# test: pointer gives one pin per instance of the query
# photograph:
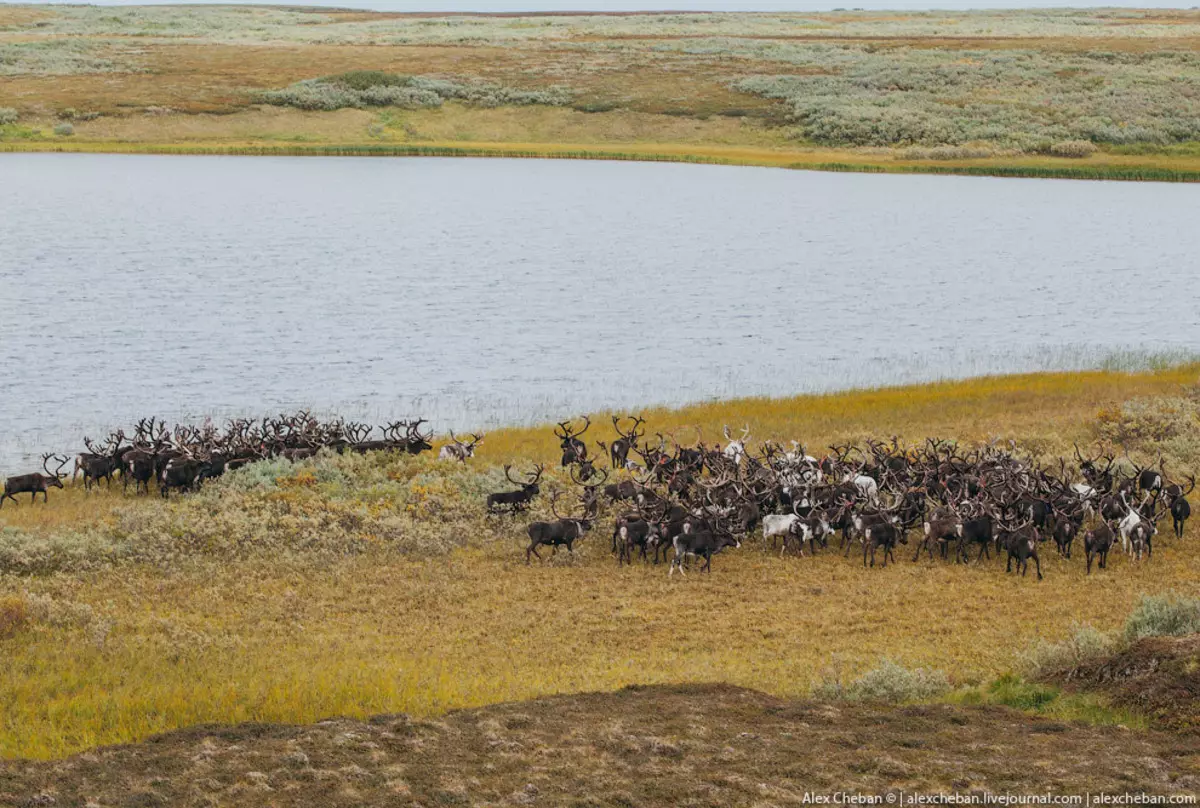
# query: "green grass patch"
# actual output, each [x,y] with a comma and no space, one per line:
[1047,701]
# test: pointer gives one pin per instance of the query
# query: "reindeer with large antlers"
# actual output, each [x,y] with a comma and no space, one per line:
[514,501]
[566,530]
[618,451]
[574,450]
[36,483]
[459,450]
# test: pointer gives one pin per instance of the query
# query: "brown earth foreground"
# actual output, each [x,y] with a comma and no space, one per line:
[1158,677]
[700,745]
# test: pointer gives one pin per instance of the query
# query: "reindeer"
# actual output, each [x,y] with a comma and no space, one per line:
[564,531]
[735,450]
[1097,543]
[574,450]
[36,483]
[1137,530]
[618,451]
[514,501]
[457,450]
[1176,499]
[98,463]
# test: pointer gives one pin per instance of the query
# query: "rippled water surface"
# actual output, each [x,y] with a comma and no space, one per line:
[484,291]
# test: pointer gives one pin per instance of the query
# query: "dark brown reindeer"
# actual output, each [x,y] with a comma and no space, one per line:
[574,450]
[618,451]
[36,483]
[98,463]
[566,530]
[514,501]
[1181,509]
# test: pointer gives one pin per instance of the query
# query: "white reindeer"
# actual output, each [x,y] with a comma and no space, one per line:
[735,450]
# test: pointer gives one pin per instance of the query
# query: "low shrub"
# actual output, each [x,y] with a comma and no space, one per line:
[1156,425]
[8,116]
[1167,615]
[14,616]
[1084,644]
[888,682]
[371,88]
[64,130]
[1073,148]
[24,552]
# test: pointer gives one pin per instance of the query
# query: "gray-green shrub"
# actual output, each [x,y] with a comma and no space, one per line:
[1167,615]
[363,88]
[888,681]
[8,115]
[1084,644]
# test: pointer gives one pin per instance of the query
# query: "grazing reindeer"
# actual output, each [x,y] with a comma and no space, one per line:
[574,449]
[514,501]
[458,450]
[564,531]
[36,483]
[735,450]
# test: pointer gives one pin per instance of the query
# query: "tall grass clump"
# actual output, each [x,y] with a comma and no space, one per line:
[373,88]
[888,682]
[1168,615]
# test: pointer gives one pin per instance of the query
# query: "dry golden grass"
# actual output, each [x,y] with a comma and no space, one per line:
[115,655]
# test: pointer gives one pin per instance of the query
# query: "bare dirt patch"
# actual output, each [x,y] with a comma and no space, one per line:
[708,745]
[1156,676]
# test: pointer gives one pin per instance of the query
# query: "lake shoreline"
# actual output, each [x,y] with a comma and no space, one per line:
[801,160]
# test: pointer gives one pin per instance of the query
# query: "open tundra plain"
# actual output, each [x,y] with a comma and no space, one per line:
[1081,93]
[376,589]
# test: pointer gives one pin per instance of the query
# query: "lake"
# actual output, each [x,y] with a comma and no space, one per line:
[479,292]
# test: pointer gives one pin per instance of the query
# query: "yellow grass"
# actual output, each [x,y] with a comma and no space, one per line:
[119,654]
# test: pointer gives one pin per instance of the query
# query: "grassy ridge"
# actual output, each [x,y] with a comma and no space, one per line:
[1085,94]
[1063,169]
[323,611]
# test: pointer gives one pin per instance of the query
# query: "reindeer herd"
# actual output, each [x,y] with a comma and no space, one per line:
[694,500]
[182,458]
[674,499]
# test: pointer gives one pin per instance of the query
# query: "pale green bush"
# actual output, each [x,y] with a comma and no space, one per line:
[888,681]
[377,89]
[1163,616]
[8,115]
[64,129]
[859,95]
[26,552]
[1084,644]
